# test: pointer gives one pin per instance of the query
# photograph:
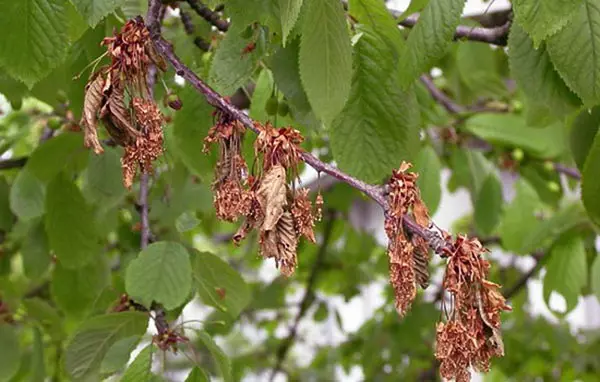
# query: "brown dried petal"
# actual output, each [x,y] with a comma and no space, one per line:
[272,196]
[91,105]
[402,273]
[281,244]
[303,216]
[119,115]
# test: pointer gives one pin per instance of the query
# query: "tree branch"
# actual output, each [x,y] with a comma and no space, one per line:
[307,298]
[496,36]
[11,163]
[212,17]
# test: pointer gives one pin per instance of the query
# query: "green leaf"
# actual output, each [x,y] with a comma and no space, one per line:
[11,354]
[535,74]
[38,367]
[197,375]
[132,8]
[488,205]
[231,68]
[162,273]
[191,125]
[595,277]
[70,224]
[75,290]
[519,218]
[57,154]
[325,58]
[46,316]
[86,350]
[103,184]
[512,131]
[27,196]
[35,38]
[95,10]
[6,216]
[430,38]
[140,368]
[584,129]
[118,354]
[566,270]
[414,7]
[429,167]
[379,124]
[288,13]
[543,18]
[478,69]
[265,12]
[35,251]
[575,51]
[590,182]
[377,17]
[221,359]
[321,313]
[219,285]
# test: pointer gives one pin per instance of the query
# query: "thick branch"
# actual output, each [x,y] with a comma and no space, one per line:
[495,36]
[307,298]
[8,164]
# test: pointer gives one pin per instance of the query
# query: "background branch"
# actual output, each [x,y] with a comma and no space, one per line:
[212,17]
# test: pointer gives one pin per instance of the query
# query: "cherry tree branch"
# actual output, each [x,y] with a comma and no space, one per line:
[11,163]
[212,17]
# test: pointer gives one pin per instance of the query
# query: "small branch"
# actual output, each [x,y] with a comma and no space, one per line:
[307,298]
[496,36]
[522,282]
[211,17]
[568,171]
[8,164]
[144,219]
[440,97]
[187,22]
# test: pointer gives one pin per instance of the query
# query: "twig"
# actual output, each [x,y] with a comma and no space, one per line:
[212,17]
[568,171]
[522,282]
[11,163]
[307,298]
[143,203]
[496,36]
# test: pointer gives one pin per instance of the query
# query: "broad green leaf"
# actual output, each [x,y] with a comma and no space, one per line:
[35,37]
[488,205]
[519,218]
[379,124]
[103,184]
[140,368]
[377,17]
[590,182]
[535,74]
[569,216]
[262,93]
[87,348]
[595,277]
[46,316]
[288,13]
[478,69]
[38,367]
[70,224]
[219,285]
[566,270]
[63,151]
[132,8]
[584,129]
[162,273]
[321,313]
[575,51]
[222,361]
[11,354]
[186,222]
[325,58]
[6,216]
[429,167]
[35,251]
[430,38]
[479,167]
[413,7]
[27,196]
[95,10]
[231,68]
[512,131]
[191,125]
[265,12]
[75,290]
[77,25]
[118,354]
[543,18]
[197,375]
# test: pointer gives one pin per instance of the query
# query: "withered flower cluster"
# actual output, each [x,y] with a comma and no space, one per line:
[408,259]
[280,212]
[471,336]
[118,94]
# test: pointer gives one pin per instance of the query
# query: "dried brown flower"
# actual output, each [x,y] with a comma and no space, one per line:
[91,104]
[302,211]
[278,146]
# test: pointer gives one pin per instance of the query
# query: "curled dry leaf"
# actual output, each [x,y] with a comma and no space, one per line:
[91,104]
[272,196]
[402,273]
[280,244]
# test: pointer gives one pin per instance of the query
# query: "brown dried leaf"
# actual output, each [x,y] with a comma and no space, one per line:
[119,115]
[421,266]
[420,212]
[304,220]
[91,105]
[281,244]
[402,273]
[272,196]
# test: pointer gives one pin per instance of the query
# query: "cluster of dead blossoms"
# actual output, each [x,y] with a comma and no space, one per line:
[268,200]
[470,335]
[118,94]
